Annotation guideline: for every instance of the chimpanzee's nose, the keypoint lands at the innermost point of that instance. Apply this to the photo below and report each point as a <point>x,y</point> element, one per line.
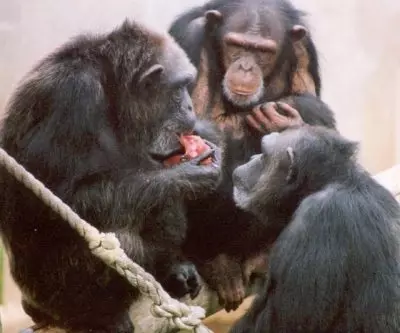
<point>244,66</point>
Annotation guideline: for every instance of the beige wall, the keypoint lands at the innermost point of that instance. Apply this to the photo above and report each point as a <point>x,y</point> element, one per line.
<point>361,65</point>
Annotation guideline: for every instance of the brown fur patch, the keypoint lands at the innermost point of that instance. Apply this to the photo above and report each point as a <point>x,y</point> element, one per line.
<point>278,83</point>
<point>302,79</point>
<point>234,126</point>
<point>201,101</point>
<point>231,125</point>
<point>201,94</point>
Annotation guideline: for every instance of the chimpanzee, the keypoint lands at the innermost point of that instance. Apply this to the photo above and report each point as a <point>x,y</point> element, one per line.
<point>335,267</point>
<point>95,121</point>
<point>249,54</point>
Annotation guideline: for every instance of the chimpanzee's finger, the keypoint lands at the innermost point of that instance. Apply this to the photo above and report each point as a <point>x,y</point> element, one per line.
<point>198,159</point>
<point>238,294</point>
<point>217,156</point>
<point>254,123</point>
<point>261,115</point>
<point>288,110</point>
<point>221,296</point>
<point>270,111</point>
<point>210,144</point>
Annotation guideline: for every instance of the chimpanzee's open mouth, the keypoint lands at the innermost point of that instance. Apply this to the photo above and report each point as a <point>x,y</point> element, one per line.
<point>161,157</point>
<point>191,146</point>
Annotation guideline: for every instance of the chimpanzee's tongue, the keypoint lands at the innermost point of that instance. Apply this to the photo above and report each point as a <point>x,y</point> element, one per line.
<point>193,147</point>
<point>191,144</point>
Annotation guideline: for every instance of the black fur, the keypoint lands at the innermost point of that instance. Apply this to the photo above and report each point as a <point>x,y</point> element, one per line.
<point>335,266</point>
<point>93,121</point>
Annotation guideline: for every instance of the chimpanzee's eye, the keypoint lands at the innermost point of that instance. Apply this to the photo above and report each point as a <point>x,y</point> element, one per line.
<point>178,94</point>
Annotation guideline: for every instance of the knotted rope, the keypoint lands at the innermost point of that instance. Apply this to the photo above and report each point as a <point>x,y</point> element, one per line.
<point>107,247</point>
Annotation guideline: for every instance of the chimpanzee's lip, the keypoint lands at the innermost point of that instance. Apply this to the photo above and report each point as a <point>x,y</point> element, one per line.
<point>243,92</point>
<point>169,153</point>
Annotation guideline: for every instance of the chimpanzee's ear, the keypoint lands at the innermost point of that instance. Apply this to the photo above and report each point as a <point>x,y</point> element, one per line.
<point>213,17</point>
<point>151,74</point>
<point>293,167</point>
<point>298,32</point>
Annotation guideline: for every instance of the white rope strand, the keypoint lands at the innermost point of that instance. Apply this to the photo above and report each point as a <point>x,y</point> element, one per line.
<point>106,246</point>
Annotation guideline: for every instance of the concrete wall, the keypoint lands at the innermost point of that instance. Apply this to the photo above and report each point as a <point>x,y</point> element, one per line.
<point>357,40</point>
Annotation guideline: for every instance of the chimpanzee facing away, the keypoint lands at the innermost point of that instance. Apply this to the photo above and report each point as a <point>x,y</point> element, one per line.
<point>95,121</point>
<point>336,265</point>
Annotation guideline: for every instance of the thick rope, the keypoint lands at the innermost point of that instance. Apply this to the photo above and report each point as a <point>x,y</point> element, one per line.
<point>106,246</point>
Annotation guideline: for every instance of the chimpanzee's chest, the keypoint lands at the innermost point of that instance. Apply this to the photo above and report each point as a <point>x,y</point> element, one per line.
<point>238,151</point>
<point>167,222</point>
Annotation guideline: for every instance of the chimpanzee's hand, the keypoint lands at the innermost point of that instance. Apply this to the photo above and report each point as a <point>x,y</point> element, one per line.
<point>224,275</point>
<point>255,265</point>
<point>217,153</point>
<point>197,179</point>
<point>273,117</point>
<point>209,153</point>
<point>183,279</point>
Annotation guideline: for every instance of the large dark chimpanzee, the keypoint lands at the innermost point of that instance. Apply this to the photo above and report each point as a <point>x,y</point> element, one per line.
<point>249,54</point>
<point>335,267</point>
<point>95,121</point>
